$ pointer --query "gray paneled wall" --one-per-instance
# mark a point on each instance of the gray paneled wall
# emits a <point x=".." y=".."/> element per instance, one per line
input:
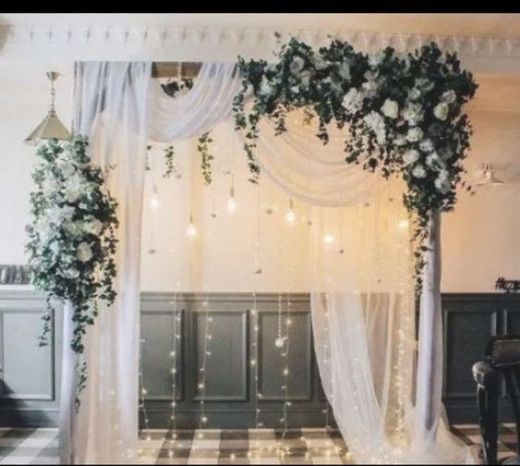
<point x="469" y="320"/>
<point x="229" y="397"/>
<point x="29" y="375"/>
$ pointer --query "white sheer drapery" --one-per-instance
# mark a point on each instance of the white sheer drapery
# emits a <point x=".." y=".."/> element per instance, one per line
<point x="361" y="305"/>
<point x="111" y="109"/>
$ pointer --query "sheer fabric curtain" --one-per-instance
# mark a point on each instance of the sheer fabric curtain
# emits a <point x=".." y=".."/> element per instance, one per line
<point x="111" y="109"/>
<point x="361" y="305"/>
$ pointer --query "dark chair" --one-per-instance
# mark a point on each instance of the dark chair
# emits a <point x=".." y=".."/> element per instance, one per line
<point x="501" y="363"/>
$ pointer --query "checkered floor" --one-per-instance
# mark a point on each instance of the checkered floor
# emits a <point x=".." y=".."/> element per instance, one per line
<point x="266" y="446"/>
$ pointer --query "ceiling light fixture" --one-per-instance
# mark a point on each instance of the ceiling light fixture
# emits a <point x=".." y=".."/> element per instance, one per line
<point x="51" y="127"/>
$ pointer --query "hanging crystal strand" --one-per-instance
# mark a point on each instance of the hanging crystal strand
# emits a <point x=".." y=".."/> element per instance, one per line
<point x="287" y="403"/>
<point x="176" y="337"/>
<point x="255" y="323"/>
<point x="142" y="393"/>
<point x="405" y="340"/>
<point x="203" y="420"/>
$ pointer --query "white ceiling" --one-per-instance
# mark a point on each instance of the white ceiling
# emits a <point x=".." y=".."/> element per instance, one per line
<point x="471" y="24"/>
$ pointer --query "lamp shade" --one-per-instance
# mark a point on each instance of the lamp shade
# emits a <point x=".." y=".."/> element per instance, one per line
<point x="50" y="128"/>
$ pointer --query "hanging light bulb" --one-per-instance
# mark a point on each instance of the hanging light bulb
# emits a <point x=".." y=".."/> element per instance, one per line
<point x="232" y="203"/>
<point x="191" y="231"/>
<point x="328" y="238"/>
<point x="403" y="224"/>
<point x="290" y="216"/>
<point x="154" y="199"/>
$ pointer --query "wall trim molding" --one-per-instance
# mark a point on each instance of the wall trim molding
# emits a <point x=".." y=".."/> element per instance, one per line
<point x="200" y="42"/>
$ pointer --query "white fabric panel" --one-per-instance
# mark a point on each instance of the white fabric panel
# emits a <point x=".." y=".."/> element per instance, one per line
<point x="190" y="115"/>
<point x="362" y="307"/>
<point x="111" y="109"/>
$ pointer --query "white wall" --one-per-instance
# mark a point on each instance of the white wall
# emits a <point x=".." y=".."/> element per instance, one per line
<point x="480" y="239"/>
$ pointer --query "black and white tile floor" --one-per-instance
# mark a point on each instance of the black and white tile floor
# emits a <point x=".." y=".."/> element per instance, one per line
<point x="302" y="446"/>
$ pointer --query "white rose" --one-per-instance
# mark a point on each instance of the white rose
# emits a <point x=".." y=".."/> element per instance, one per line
<point x="305" y="79"/>
<point x="390" y="108"/>
<point x="353" y="100"/>
<point x="265" y="87"/>
<point x="414" y="94"/>
<point x="57" y="215"/>
<point x="415" y="134"/>
<point x="55" y="248"/>
<point x="449" y="96"/>
<point x="370" y="87"/>
<point x="426" y="145"/>
<point x="413" y="113"/>
<point x="432" y="159"/>
<point x="376" y="123"/>
<point x="50" y="185"/>
<point x="441" y="111"/>
<point x="344" y="70"/>
<point x="375" y="59"/>
<point x="74" y="229"/>
<point x="70" y="273"/>
<point x="296" y="65"/>
<point x="442" y="182"/>
<point x="93" y="227"/>
<point x="84" y="253"/>
<point x="400" y="141"/>
<point x="410" y="156"/>
<point x="74" y="188"/>
<point x="419" y="172"/>
<point x="67" y="169"/>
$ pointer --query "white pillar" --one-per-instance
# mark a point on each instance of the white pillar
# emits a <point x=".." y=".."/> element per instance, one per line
<point x="430" y="351"/>
<point x="68" y="389"/>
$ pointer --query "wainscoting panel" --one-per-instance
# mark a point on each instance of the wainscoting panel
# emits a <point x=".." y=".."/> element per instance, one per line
<point x="469" y="320"/>
<point x="223" y="344"/>
<point x="30" y="376"/>
<point x="298" y="358"/>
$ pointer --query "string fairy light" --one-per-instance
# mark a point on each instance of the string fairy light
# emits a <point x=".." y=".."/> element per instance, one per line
<point x="143" y="391"/>
<point x="176" y="337"/>
<point x="202" y="378"/>
<point x="256" y="328"/>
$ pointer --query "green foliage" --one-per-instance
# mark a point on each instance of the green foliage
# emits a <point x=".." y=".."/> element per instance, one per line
<point x="203" y="147"/>
<point x="402" y="115"/>
<point x="72" y="239"/>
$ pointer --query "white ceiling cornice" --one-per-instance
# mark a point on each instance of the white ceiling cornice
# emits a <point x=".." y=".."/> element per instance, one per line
<point x="153" y="42"/>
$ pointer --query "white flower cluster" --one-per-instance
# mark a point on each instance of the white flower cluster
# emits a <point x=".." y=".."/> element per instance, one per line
<point x="421" y="155"/>
<point x="71" y="218"/>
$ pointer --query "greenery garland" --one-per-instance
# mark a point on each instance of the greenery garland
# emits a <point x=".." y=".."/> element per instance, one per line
<point x="72" y="237"/>
<point x="402" y="114"/>
<point x="172" y="88"/>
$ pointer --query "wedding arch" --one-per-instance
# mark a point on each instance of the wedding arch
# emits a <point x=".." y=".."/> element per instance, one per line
<point x="388" y="113"/>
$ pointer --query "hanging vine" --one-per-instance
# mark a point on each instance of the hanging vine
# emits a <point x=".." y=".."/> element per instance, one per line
<point x="401" y="113"/>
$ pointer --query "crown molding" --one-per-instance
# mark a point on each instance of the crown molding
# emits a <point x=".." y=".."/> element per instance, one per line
<point x="225" y="43"/>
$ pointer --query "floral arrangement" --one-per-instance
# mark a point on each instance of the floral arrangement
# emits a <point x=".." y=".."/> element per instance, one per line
<point x="72" y="235"/>
<point x="402" y="114"/>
